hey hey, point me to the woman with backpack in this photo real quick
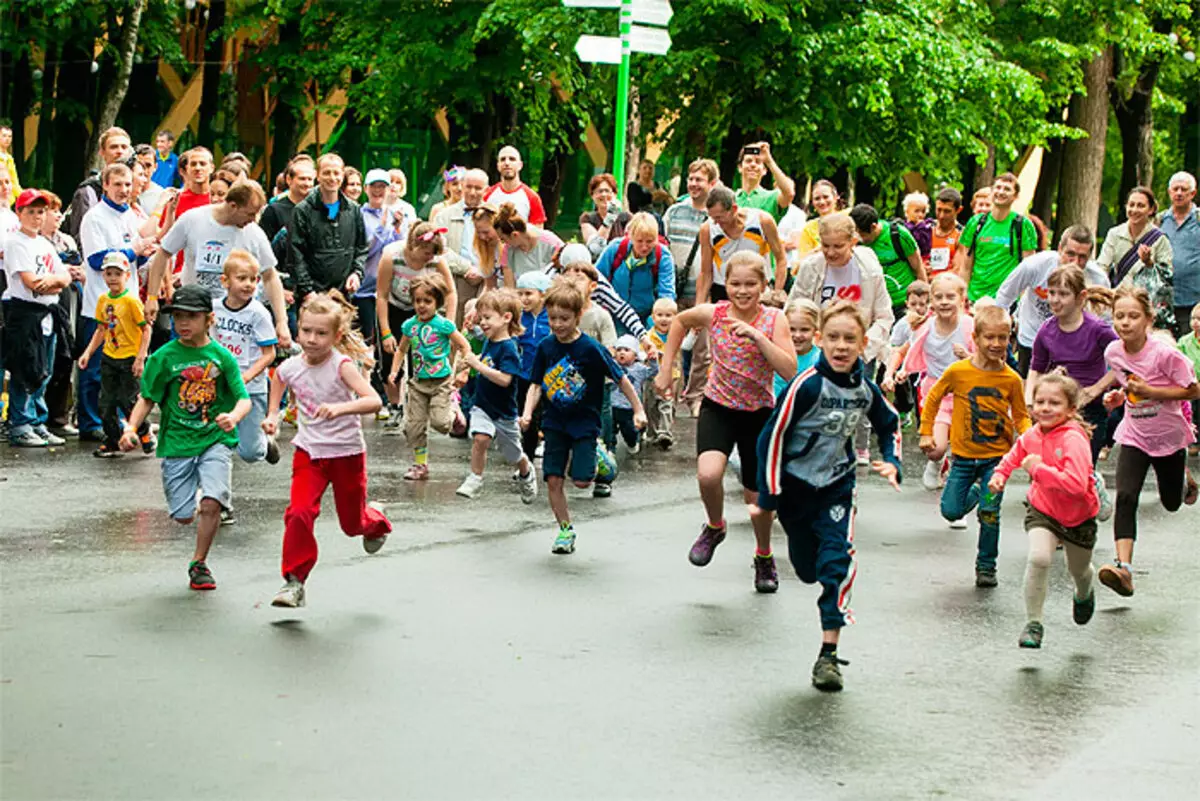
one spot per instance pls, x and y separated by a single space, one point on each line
639 266
1138 253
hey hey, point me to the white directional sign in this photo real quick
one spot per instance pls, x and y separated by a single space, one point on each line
592 3
652 12
599 49
649 40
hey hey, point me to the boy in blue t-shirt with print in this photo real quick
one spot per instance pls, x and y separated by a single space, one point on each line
494 413
569 369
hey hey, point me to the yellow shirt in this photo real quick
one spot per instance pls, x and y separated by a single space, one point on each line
659 340
810 236
123 321
10 164
989 409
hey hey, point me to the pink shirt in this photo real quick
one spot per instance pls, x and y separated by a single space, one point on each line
740 376
1061 485
314 385
1157 428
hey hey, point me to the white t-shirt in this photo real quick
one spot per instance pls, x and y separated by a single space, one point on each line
31 254
206 244
245 332
9 223
106 228
842 283
1028 282
524 198
939 350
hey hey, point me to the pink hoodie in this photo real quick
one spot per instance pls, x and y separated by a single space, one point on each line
1062 485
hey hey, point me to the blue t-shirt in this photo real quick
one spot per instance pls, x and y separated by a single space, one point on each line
500 403
803 362
572 377
537 328
333 208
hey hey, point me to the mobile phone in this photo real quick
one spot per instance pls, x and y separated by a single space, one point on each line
752 150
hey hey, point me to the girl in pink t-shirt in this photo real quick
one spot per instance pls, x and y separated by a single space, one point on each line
1156 382
331 394
749 343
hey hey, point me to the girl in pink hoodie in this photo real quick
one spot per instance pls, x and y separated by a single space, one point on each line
1062 504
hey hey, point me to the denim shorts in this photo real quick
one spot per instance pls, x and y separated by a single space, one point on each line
209 473
561 449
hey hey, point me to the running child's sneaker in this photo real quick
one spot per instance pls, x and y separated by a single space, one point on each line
1031 635
149 443
1117 578
959 524
272 450
29 439
706 545
766 577
373 544
417 472
564 543
1082 611
931 479
528 486
985 577
1106 504
601 490
863 455
200 577
827 673
471 486
665 441
228 518
105 452
290 595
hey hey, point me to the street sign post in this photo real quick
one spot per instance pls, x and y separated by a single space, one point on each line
616 50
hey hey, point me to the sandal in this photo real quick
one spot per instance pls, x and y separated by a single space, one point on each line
1190 495
417 472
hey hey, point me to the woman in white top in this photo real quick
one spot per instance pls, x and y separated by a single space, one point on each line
527 248
1152 245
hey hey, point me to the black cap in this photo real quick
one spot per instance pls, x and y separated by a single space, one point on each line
191 298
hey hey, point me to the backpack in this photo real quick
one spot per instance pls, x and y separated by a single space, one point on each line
897 243
1014 237
623 252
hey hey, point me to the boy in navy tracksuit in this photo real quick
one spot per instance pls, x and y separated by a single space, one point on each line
807 470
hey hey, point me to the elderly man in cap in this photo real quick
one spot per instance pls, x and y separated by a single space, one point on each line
384 225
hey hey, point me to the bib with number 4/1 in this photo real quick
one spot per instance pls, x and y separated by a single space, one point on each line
210 263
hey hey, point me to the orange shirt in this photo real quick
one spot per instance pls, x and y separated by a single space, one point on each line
989 409
941 252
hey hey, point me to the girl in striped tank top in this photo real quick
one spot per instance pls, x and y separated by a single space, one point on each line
749 343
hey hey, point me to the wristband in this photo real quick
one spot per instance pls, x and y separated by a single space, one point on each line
386 336
151 297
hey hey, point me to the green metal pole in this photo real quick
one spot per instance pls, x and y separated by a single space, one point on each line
622 97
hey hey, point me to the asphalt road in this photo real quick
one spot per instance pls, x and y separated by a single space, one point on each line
465 661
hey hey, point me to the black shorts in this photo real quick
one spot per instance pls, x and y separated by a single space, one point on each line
1083 535
721 428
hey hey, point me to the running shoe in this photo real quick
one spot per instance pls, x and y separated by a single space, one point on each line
105 452
1082 611
51 439
564 543
931 479
985 577
958 525
528 486
471 486
393 424
1189 495
766 577
1117 578
69 431
665 441
417 472
373 544
706 545
149 443
228 518
200 577
827 673
272 450
1031 635
290 595
384 413
601 490
863 456
29 439
1106 504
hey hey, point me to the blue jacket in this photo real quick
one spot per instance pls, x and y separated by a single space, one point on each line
634 278
536 329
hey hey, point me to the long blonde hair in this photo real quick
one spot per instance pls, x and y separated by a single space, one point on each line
349 340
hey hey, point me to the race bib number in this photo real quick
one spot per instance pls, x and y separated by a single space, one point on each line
210 263
939 260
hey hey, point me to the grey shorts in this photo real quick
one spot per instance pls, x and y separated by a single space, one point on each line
506 433
208 473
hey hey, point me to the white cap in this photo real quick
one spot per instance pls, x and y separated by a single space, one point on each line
574 253
115 258
376 176
627 342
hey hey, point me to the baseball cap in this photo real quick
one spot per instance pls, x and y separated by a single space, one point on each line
115 258
377 176
534 280
574 253
31 196
191 298
627 342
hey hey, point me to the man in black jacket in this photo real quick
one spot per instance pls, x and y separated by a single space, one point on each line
327 237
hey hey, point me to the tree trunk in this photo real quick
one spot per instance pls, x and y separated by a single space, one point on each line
1135 119
985 173
1189 135
1047 185
1083 159
120 85
867 191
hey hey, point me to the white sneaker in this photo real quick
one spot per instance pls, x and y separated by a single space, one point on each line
51 439
384 413
29 439
958 525
864 457
290 594
1106 504
472 485
931 479
634 448
528 486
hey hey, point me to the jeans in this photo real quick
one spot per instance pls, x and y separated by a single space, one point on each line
87 406
252 442
966 488
27 408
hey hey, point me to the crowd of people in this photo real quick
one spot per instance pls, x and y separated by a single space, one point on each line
170 281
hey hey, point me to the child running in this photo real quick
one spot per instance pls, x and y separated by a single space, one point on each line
569 368
1062 504
749 343
434 339
803 316
660 411
989 413
1156 381
806 470
494 412
198 387
945 339
916 305
331 394
531 289
627 352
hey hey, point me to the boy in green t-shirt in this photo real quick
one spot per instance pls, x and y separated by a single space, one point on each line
897 252
198 387
994 243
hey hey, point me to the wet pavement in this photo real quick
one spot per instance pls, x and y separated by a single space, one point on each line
465 661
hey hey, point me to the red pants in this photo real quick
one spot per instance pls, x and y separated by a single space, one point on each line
310 477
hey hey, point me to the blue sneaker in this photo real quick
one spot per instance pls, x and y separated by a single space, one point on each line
564 543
